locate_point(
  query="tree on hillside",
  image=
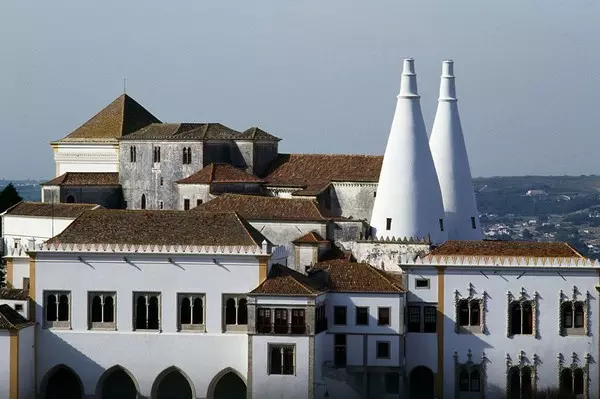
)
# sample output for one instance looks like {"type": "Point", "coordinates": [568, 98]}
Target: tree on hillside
{"type": "Point", "coordinates": [8, 197]}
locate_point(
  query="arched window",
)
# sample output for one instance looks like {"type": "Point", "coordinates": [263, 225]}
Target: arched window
{"type": "Point", "coordinates": [230, 311]}
{"type": "Point", "coordinates": [242, 311]}
{"type": "Point", "coordinates": [198, 313]}
{"type": "Point", "coordinates": [578, 382]}
{"type": "Point", "coordinates": [185, 156]}
{"type": "Point", "coordinates": [463, 381]}
{"type": "Point", "coordinates": [567, 316]}
{"type": "Point", "coordinates": [109, 309]}
{"type": "Point", "coordinates": [153, 315]}
{"type": "Point", "coordinates": [140, 313]}
{"type": "Point", "coordinates": [526, 383]}
{"type": "Point", "coordinates": [143, 203]}
{"type": "Point", "coordinates": [63, 308]}
{"type": "Point", "coordinates": [566, 381]}
{"type": "Point", "coordinates": [514, 381]}
{"type": "Point", "coordinates": [475, 312]}
{"type": "Point", "coordinates": [132, 154]}
{"type": "Point", "coordinates": [189, 155]}
{"type": "Point", "coordinates": [102, 310]}
{"type": "Point", "coordinates": [579, 315]}
{"type": "Point", "coordinates": [463, 312]}
{"type": "Point", "coordinates": [186, 311]}
{"type": "Point", "coordinates": [51, 308]}
{"type": "Point", "coordinates": [527, 317]}
{"type": "Point", "coordinates": [475, 381]}
{"type": "Point", "coordinates": [96, 309]}
{"type": "Point", "coordinates": [70, 199]}
{"type": "Point", "coordinates": [515, 318]}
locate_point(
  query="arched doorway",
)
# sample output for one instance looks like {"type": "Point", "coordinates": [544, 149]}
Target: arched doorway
{"type": "Point", "coordinates": [227, 384]}
{"type": "Point", "coordinates": [62, 383]}
{"type": "Point", "coordinates": [70, 199]}
{"type": "Point", "coordinates": [421, 383]}
{"type": "Point", "coordinates": [172, 384]}
{"type": "Point", "coordinates": [117, 383]}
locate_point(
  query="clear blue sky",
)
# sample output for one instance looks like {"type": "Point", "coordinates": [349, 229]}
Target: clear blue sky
{"type": "Point", "coordinates": [322, 75]}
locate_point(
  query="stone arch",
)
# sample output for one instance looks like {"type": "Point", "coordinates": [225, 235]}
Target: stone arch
{"type": "Point", "coordinates": [156, 394]}
{"type": "Point", "coordinates": [61, 382]}
{"type": "Point", "coordinates": [70, 199]}
{"type": "Point", "coordinates": [108, 373]}
{"type": "Point", "coordinates": [212, 387]}
{"type": "Point", "coordinates": [421, 383]}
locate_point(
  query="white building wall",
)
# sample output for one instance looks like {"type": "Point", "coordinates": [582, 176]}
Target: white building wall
{"type": "Point", "coordinates": [193, 192]}
{"type": "Point", "coordinates": [20, 271]}
{"type": "Point", "coordinates": [353, 200]}
{"type": "Point", "coordinates": [86, 158]}
{"type": "Point", "coordinates": [279, 386]}
{"type": "Point", "coordinates": [386, 255]}
{"type": "Point", "coordinates": [27, 227]}
{"type": "Point", "coordinates": [497, 345]}
{"type": "Point", "coordinates": [4, 363]}
{"type": "Point", "coordinates": [27, 363]}
{"type": "Point", "coordinates": [12, 303]}
{"type": "Point", "coordinates": [144, 354]}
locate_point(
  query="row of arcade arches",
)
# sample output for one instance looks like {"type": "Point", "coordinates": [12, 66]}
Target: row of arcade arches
{"type": "Point", "coordinates": [118, 383]}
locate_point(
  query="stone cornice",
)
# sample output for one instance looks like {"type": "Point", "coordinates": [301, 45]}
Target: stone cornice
{"type": "Point", "coordinates": [501, 261]}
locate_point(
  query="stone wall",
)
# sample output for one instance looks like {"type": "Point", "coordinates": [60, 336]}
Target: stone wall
{"type": "Point", "coordinates": [109, 196]}
{"type": "Point", "coordinates": [386, 254]}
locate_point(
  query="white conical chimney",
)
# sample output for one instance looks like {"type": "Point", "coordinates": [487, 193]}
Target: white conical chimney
{"type": "Point", "coordinates": [408, 201]}
{"type": "Point", "coordinates": [452, 163]}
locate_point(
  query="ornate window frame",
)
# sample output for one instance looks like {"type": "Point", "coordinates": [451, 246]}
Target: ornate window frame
{"type": "Point", "coordinates": [522, 363]}
{"type": "Point", "coordinates": [470, 298]}
{"type": "Point", "coordinates": [576, 365]}
{"type": "Point", "coordinates": [521, 299]}
{"type": "Point", "coordinates": [469, 366]}
{"type": "Point", "coordinates": [564, 300]}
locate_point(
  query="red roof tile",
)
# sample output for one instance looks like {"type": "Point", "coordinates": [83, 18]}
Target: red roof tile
{"type": "Point", "coordinates": [310, 238]}
{"type": "Point", "coordinates": [220, 173]}
{"type": "Point", "coordinates": [506, 248]}
{"type": "Point", "coordinates": [47, 209]}
{"type": "Point", "coordinates": [346, 276]}
{"type": "Point", "coordinates": [85, 179]}
{"type": "Point", "coordinates": [287, 282]}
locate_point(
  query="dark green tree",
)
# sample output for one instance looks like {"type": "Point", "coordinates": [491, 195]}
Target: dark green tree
{"type": "Point", "coordinates": [8, 197]}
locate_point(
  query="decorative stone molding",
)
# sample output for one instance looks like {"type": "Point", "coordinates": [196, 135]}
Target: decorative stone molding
{"type": "Point", "coordinates": [399, 240]}
{"type": "Point", "coordinates": [495, 262]}
{"type": "Point", "coordinates": [564, 301]}
{"type": "Point", "coordinates": [522, 363]}
{"type": "Point", "coordinates": [470, 366]}
{"type": "Point", "coordinates": [471, 298]}
{"type": "Point", "coordinates": [576, 364]}
{"type": "Point", "coordinates": [521, 299]}
{"type": "Point", "coordinates": [354, 184]}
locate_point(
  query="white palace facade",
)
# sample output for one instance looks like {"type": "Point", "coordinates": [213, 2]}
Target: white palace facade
{"type": "Point", "coordinates": [193, 261]}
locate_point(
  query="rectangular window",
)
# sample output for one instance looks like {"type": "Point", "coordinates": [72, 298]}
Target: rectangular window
{"type": "Point", "coordinates": [339, 315]}
{"type": "Point", "coordinates": [298, 321]}
{"type": "Point", "coordinates": [264, 321]}
{"type": "Point", "coordinates": [339, 349]}
{"type": "Point", "coordinates": [191, 312]}
{"type": "Point", "coordinates": [25, 283]}
{"type": "Point", "coordinates": [18, 307]}
{"type": "Point", "coordinates": [186, 204]}
{"type": "Point", "coordinates": [161, 205]}
{"type": "Point", "coordinates": [57, 309]}
{"type": "Point", "coordinates": [235, 312]}
{"type": "Point", "coordinates": [374, 194]}
{"type": "Point", "coordinates": [429, 318]}
{"type": "Point", "coordinates": [388, 223]}
{"type": "Point", "coordinates": [282, 359]}
{"type": "Point", "coordinates": [362, 316]}
{"type": "Point", "coordinates": [281, 321]}
{"type": "Point", "coordinates": [421, 283]}
{"type": "Point", "coordinates": [146, 310]}
{"type": "Point", "coordinates": [473, 224]}
{"type": "Point", "coordinates": [414, 319]}
{"type": "Point", "coordinates": [383, 316]}
{"type": "Point", "coordinates": [198, 202]}
{"type": "Point", "coordinates": [156, 155]}
{"type": "Point", "coordinates": [383, 349]}
{"type": "Point", "coordinates": [441, 224]}
{"type": "Point", "coordinates": [161, 181]}
{"type": "Point", "coordinates": [102, 310]}
{"type": "Point", "coordinates": [392, 383]}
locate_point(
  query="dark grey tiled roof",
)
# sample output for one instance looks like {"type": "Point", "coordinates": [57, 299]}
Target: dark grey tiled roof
{"type": "Point", "coordinates": [58, 210]}
{"type": "Point", "coordinates": [197, 131]}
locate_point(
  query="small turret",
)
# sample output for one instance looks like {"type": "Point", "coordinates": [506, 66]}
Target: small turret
{"type": "Point", "coordinates": [452, 163]}
{"type": "Point", "coordinates": [408, 201]}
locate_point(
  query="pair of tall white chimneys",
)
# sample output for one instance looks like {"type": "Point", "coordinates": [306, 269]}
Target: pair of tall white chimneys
{"type": "Point", "coordinates": [425, 188]}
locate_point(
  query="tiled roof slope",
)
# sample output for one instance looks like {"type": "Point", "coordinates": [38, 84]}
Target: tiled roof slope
{"type": "Point", "coordinates": [254, 207]}
{"type": "Point", "coordinates": [85, 179]}
{"type": "Point", "coordinates": [310, 238]}
{"type": "Point", "coordinates": [196, 131]}
{"type": "Point", "coordinates": [219, 173]}
{"type": "Point", "coordinates": [10, 319]}
{"type": "Point", "coordinates": [287, 282]}
{"type": "Point", "coordinates": [506, 248]}
{"type": "Point", "coordinates": [47, 209]}
{"type": "Point", "coordinates": [314, 172]}
{"type": "Point", "coordinates": [14, 294]}
{"type": "Point", "coordinates": [346, 276]}
{"type": "Point", "coordinates": [119, 118]}
{"type": "Point", "coordinates": [105, 226]}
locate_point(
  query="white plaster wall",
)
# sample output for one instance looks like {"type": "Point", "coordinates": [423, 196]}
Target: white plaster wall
{"type": "Point", "coordinates": [26, 363]}
{"type": "Point", "coordinates": [144, 354]}
{"type": "Point", "coordinates": [86, 158]}
{"type": "Point", "coordinates": [279, 301]}
{"type": "Point", "coordinates": [20, 271]}
{"type": "Point", "coordinates": [353, 200]}
{"type": "Point", "coordinates": [193, 192]}
{"type": "Point", "coordinates": [497, 345]}
{"type": "Point", "coordinates": [306, 256]}
{"type": "Point", "coordinates": [384, 255]}
{"type": "Point", "coordinates": [422, 294]}
{"type": "Point", "coordinates": [4, 363]}
{"type": "Point", "coordinates": [26, 227]}
{"type": "Point", "coordinates": [279, 386]}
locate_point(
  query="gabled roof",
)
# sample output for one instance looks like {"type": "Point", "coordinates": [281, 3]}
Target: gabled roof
{"type": "Point", "coordinates": [347, 276]}
{"type": "Point", "coordinates": [254, 207]}
{"type": "Point", "coordinates": [220, 173]}
{"type": "Point", "coordinates": [104, 226]}
{"type": "Point", "coordinates": [283, 281]}
{"type": "Point", "coordinates": [85, 179]}
{"type": "Point", "coordinates": [526, 249]}
{"type": "Point", "coordinates": [314, 172]}
{"type": "Point", "coordinates": [311, 237]}
{"type": "Point", "coordinates": [14, 294]}
{"type": "Point", "coordinates": [10, 319]}
{"type": "Point", "coordinates": [196, 131]}
{"type": "Point", "coordinates": [47, 209]}
{"type": "Point", "coordinates": [119, 118]}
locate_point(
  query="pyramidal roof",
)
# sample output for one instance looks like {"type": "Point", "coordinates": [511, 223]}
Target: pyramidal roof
{"type": "Point", "coordinates": [409, 201]}
{"type": "Point", "coordinates": [119, 118]}
{"type": "Point", "coordinates": [449, 153]}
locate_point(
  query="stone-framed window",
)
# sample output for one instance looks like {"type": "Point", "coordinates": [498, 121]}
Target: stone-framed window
{"type": "Point", "coordinates": [57, 309]}
{"type": "Point", "coordinates": [521, 377]}
{"type": "Point", "coordinates": [187, 156]}
{"type": "Point", "coordinates": [102, 308]}
{"type": "Point", "coordinates": [422, 317]}
{"type": "Point", "coordinates": [282, 359]}
{"type": "Point", "coordinates": [362, 316]}
{"type": "Point", "coordinates": [383, 316]}
{"type": "Point", "coordinates": [470, 376]}
{"type": "Point", "coordinates": [521, 315]}
{"type": "Point", "coordinates": [574, 313]}
{"type": "Point", "coordinates": [470, 311]}
{"type": "Point", "coordinates": [574, 378]}
{"type": "Point", "coordinates": [422, 283]}
{"type": "Point", "coordinates": [235, 313]}
{"type": "Point", "coordinates": [186, 204]}
{"type": "Point", "coordinates": [146, 311]}
{"type": "Point", "coordinates": [156, 154]}
{"type": "Point", "coordinates": [132, 154]}
{"type": "Point", "coordinates": [191, 312]}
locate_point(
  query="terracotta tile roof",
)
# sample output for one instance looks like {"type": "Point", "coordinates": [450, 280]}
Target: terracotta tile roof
{"type": "Point", "coordinates": [346, 276]}
{"type": "Point", "coordinates": [314, 172]}
{"type": "Point", "coordinates": [14, 294]}
{"type": "Point", "coordinates": [196, 131]}
{"type": "Point", "coordinates": [105, 226]}
{"type": "Point", "coordinates": [254, 207]}
{"type": "Point", "coordinates": [310, 238]}
{"type": "Point", "coordinates": [220, 173]}
{"type": "Point", "coordinates": [10, 319]}
{"type": "Point", "coordinates": [119, 118]}
{"type": "Point", "coordinates": [506, 248]}
{"type": "Point", "coordinates": [283, 281]}
{"type": "Point", "coordinates": [47, 209]}
{"type": "Point", "coordinates": [85, 179]}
